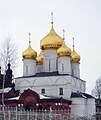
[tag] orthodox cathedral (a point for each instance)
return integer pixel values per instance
(52, 80)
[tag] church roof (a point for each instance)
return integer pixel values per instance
(42, 96)
(80, 95)
(14, 98)
(5, 90)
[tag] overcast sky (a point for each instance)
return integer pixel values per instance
(81, 19)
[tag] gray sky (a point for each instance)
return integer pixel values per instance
(81, 19)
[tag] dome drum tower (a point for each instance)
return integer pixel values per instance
(75, 61)
(50, 61)
(29, 67)
(64, 53)
(49, 46)
(75, 70)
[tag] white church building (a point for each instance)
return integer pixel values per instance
(56, 72)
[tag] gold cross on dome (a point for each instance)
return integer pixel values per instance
(29, 37)
(73, 41)
(63, 34)
(51, 17)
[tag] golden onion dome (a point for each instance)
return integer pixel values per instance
(51, 41)
(75, 58)
(29, 53)
(64, 50)
(39, 59)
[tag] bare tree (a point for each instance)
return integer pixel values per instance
(9, 53)
(97, 90)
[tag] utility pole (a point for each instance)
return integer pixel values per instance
(3, 104)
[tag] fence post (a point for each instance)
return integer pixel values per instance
(27, 115)
(16, 112)
(9, 114)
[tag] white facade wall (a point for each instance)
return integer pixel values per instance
(50, 60)
(78, 85)
(51, 84)
(64, 65)
(75, 70)
(91, 107)
(79, 107)
(29, 67)
(83, 107)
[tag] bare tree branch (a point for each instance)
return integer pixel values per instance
(9, 53)
(97, 90)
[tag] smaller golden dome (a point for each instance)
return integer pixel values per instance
(75, 58)
(29, 53)
(39, 59)
(64, 50)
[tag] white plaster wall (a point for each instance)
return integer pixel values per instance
(83, 107)
(31, 65)
(64, 62)
(39, 68)
(75, 69)
(65, 83)
(77, 85)
(79, 107)
(52, 56)
(91, 107)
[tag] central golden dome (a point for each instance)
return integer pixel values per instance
(51, 41)
(64, 50)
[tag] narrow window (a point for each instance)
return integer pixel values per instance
(43, 91)
(62, 67)
(73, 72)
(57, 64)
(26, 69)
(61, 91)
(49, 65)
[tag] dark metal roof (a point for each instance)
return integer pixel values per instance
(80, 95)
(46, 74)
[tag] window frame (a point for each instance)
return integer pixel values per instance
(60, 91)
(43, 91)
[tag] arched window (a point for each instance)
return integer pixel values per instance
(43, 91)
(61, 91)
